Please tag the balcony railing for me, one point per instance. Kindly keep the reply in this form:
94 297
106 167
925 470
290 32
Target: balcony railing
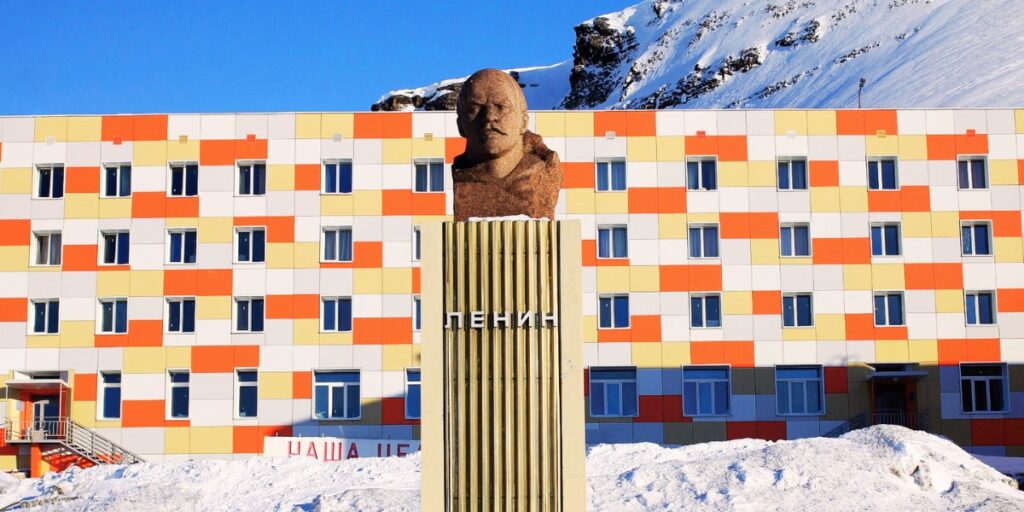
914 420
79 439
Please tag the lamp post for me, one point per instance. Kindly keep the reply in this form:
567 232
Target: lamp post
859 89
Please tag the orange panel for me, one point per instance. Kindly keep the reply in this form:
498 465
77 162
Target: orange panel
702 146
1004 223
1010 300
245 149
590 259
179 206
214 282
610 121
613 335
916 198
674 278
79 257
955 351
367 126
641 123
941 147
643 200
13 309
983 350
453 147
734 225
307 177
110 340
149 205
1020 171
705 278
397 201
302 385
732 148
749 225
115 128
645 328
306 306
849 122
142 413
145 333
151 127
181 282
280 229
367 254
578 175
860 326
739 354
891 333
396 125
367 331
875 120
15 232
824 173
247 356
416 280
428 204
767 302
396 330
827 251
764 225
884 201
907 199
217 152
279 307
213 358
972 144
82 180
856 251
672 199
933 276
85 387
246 439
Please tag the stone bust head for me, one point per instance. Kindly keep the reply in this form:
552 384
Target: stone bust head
506 169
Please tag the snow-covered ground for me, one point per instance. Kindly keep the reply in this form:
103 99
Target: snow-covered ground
880 468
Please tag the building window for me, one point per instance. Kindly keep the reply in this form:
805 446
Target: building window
181 246
704 241
416 309
975 238
249 314
612 242
337 314
701 174
888 309
983 387
885 239
109 395
337 176
798 390
181 315
50 181
412 393
795 240
971 173
178 404
792 174
115 248
613 311
336 394
797 310
706 311
252 178
979 308
429 176
46 316
113 316
882 174
613 392
611 175
117 180
705 390
184 179
252 245
337 244
246 393
415 243
48 248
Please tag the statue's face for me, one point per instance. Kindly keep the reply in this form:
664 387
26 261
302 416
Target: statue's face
492 117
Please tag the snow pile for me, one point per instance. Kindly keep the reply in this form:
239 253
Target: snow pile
880 468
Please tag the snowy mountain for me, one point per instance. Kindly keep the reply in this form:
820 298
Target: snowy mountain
776 53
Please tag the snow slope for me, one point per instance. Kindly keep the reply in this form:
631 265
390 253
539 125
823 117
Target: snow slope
879 468
783 53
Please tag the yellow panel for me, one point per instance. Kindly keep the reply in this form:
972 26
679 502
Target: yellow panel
946 224
579 124
396 357
81 206
580 200
672 226
16 181
84 413
422 148
675 354
336 204
821 122
9 463
830 326
764 251
42 341
307 126
801 260
332 124
396 151
280 255
85 129
115 208
281 177
179 357
949 301
798 334
671 148
824 199
367 280
646 355
184 222
923 351
737 303
1018 116
77 333
307 254
150 152
14 258
305 331
761 173
917 225
550 124
732 174
1003 172
589 324
56 127
881 146
176 440
336 338
643 279
1008 249
365 202
641 149
892 351
701 217
114 283
416 355
216 230
178 151
144 360
853 199
612 279
396 280
611 202
913 147
213 308
790 120
275 385
857 277
887 276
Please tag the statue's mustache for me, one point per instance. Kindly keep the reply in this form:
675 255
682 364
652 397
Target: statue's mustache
492 129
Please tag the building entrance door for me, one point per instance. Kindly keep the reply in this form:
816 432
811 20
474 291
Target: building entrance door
45 413
891 404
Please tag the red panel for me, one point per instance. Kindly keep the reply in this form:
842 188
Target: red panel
988 432
393 412
651 409
836 380
741 430
771 430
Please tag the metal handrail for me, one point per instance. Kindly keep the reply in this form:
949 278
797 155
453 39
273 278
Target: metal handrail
83 440
917 420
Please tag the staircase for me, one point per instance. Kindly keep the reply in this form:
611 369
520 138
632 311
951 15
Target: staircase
77 439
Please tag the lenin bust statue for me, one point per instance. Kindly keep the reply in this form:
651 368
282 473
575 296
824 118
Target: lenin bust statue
506 169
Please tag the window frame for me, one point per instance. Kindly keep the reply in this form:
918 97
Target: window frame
590 391
181 312
337 162
101 395
429 180
119 170
417 313
238 241
36 251
171 385
611 228
239 384
183 232
977 314
878 159
183 164
974 253
899 238
234 314
323 244
252 177
969 157
46 316
100 301
788 160
37 178
728 382
1004 375
887 295
330 394
613 296
796 312
703 250
323 317
102 249
821 389
609 161
700 160
417 235
419 384
704 310
792 239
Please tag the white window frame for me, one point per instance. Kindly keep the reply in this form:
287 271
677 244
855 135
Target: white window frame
977 313
117 241
792 239
612 296
352 318
698 382
36 249
170 395
878 160
970 177
181 311
427 162
238 393
703 250
101 400
113 322
417 312
590 393
237 242
252 177
183 164
182 231
418 384
609 161
234 314
416 242
117 177
974 243
323 175
46 316
323 244
611 241
1004 376
899 238
796 312
701 159
788 160
37 178
821 389
704 308
330 394
903 308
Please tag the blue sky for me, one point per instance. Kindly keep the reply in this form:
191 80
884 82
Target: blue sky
185 56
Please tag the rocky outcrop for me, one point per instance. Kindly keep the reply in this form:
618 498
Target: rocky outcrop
599 51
